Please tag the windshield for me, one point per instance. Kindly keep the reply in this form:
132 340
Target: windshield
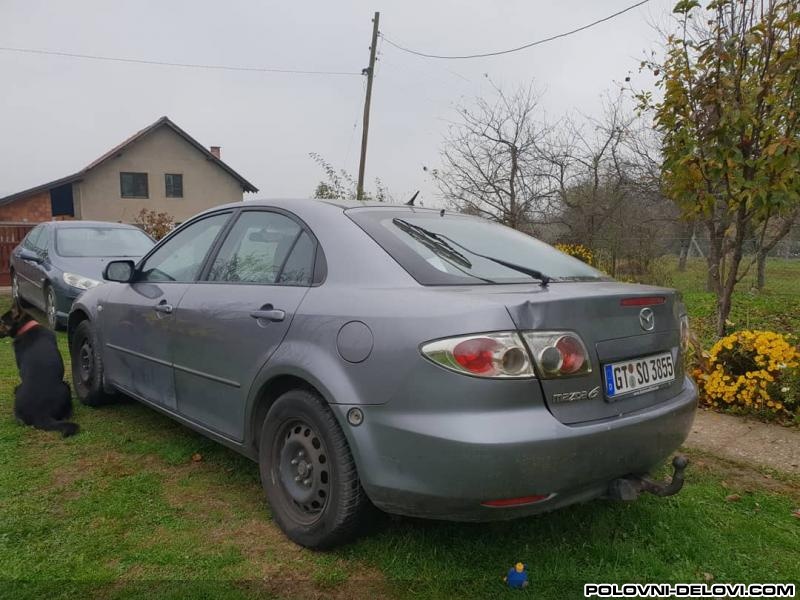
102 241
465 249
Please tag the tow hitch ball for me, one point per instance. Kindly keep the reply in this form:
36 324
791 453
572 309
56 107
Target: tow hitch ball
629 488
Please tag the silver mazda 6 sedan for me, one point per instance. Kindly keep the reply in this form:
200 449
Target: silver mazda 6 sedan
425 362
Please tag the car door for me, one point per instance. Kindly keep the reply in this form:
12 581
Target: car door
43 270
229 324
27 271
138 318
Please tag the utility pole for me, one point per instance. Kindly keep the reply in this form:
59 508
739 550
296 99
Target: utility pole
369 72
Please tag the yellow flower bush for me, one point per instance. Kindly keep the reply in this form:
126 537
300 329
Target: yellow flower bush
752 371
578 251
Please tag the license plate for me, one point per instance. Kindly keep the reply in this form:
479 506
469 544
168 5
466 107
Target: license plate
638 374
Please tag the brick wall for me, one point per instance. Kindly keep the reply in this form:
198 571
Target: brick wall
33 209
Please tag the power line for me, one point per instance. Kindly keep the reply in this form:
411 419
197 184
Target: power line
518 48
161 63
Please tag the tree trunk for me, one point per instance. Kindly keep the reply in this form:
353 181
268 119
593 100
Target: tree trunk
761 267
731 273
683 255
686 246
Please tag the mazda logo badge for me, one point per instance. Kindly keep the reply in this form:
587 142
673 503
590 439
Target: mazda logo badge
647 319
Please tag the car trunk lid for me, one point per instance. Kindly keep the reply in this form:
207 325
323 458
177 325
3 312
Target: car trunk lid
610 329
609 318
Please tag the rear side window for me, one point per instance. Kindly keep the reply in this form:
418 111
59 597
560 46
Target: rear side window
265 248
299 267
444 249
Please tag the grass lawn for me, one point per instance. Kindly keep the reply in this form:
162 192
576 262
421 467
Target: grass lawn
776 308
123 511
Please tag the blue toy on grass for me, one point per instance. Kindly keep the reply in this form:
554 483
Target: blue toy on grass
517 577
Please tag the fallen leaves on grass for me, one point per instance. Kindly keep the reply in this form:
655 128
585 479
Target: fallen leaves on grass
732 498
197 457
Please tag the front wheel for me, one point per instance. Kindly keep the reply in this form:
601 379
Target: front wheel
51 309
14 288
87 367
308 473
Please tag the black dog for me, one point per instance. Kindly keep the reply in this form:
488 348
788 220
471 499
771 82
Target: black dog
43 399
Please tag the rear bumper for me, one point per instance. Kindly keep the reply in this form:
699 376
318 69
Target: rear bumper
444 465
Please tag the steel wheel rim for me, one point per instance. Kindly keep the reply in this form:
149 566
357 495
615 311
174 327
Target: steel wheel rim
14 288
304 471
51 308
86 362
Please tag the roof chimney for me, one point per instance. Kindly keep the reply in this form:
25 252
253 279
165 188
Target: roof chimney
215 150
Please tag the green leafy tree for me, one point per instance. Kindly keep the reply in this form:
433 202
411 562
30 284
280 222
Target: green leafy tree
340 185
729 118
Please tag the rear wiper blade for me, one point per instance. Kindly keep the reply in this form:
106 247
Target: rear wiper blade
536 274
433 242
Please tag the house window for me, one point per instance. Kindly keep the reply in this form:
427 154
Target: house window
174 184
133 185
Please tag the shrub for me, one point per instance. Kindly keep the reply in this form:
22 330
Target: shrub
578 251
155 224
752 371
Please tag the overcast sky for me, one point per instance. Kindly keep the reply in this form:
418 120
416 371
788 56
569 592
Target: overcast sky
58 114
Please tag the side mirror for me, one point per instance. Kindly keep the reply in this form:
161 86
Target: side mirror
120 271
29 255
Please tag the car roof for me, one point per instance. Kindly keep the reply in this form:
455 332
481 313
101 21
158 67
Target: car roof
77 224
321 205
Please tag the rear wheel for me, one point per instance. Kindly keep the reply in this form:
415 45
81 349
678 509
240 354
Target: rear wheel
87 367
51 309
308 473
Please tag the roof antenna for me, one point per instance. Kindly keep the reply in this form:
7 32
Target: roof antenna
414 197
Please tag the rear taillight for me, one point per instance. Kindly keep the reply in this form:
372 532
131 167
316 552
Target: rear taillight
504 355
558 353
501 355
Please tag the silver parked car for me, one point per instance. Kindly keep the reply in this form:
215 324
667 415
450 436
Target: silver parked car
58 260
428 363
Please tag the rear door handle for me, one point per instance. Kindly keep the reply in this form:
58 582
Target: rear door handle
164 308
267 313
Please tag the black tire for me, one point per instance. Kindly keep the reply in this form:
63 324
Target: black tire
51 308
300 437
87 367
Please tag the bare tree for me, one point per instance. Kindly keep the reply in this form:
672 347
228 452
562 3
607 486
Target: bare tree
492 160
607 172
772 230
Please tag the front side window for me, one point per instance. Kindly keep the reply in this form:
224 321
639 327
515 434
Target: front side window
440 249
174 185
43 241
266 248
33 236
181 256
133 185
102 241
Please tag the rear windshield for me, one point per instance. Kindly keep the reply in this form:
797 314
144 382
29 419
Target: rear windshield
450 256
102 241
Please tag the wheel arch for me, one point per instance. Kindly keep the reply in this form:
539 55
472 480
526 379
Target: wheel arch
76 317
306 365
268 392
